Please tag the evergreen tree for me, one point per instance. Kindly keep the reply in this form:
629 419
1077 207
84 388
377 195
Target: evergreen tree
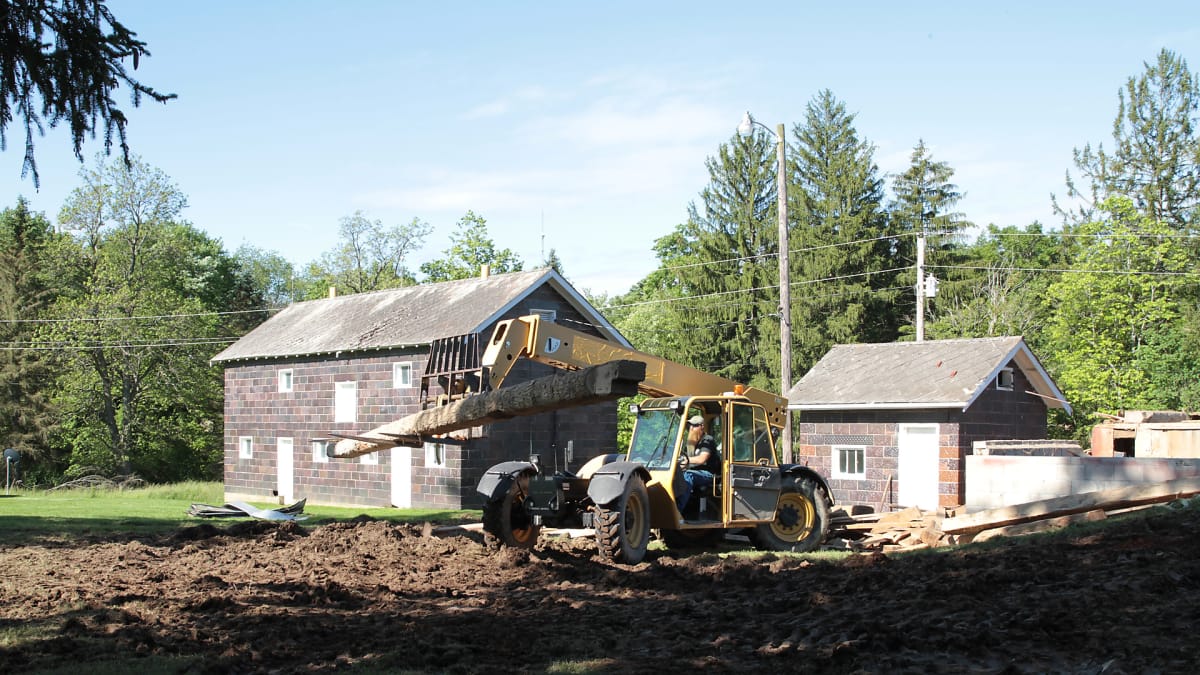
724 260
925 199
843 267
26 415
470 249
61 60
1155 159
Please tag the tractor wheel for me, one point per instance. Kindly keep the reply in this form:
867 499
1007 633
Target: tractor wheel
801 519
505 522
623 527
682 540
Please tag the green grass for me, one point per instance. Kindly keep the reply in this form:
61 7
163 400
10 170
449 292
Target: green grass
34 516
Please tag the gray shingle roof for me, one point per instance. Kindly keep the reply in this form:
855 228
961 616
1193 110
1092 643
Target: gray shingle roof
930 374
401 317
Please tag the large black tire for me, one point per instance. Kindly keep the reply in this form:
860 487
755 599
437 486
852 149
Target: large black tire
505 522
623 527
801 519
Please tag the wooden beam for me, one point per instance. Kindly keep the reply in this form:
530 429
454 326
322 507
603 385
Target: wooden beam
1150 493
596 384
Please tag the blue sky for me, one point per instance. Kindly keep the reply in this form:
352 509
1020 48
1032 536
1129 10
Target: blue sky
584 127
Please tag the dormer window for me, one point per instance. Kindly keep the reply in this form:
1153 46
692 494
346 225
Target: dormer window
1004 380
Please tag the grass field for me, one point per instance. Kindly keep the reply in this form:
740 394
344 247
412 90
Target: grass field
37 516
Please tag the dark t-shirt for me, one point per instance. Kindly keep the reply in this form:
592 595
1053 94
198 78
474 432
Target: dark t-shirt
713 465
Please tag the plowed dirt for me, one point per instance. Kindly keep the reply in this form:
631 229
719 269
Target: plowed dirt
265 597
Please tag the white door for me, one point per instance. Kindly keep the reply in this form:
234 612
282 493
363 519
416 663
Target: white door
283 468
918 465
402 477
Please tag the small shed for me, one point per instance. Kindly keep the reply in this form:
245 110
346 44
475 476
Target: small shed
891 424
348 364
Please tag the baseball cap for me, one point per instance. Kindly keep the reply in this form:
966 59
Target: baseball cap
696 421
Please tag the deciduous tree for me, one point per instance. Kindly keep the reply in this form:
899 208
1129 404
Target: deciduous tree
470 249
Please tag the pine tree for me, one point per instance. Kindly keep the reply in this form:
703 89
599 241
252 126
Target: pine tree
925 199
1155 159
26 415
724 262
61 60
843 266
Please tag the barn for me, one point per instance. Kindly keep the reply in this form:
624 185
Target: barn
347 364
891 424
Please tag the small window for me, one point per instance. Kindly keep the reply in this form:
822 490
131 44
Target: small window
1004 380
321 450
435 455
849 461
370 459
345 402
547 315
245 447
401 375
285 380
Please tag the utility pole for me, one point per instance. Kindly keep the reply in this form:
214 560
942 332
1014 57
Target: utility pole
785 297
921 284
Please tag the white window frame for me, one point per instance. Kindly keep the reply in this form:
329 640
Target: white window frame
402 372
345 401
286 381
320 451
245 447
369 459
836 463
435 455
1004 379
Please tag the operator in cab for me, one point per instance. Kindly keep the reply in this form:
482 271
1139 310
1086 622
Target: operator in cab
704 460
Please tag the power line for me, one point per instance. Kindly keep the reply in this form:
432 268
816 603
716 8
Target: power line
119 345
1062 271
146 317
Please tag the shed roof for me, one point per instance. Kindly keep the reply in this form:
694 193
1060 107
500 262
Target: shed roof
402 317
916 375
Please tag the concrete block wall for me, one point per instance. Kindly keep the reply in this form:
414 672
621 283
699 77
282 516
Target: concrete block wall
995 480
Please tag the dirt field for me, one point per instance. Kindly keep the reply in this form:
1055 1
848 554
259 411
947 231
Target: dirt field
261 597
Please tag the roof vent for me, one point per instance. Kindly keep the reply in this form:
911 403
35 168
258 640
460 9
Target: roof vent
485 271
333 291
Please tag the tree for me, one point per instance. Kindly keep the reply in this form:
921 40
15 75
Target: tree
61 60
842 262
1155 159
141 310
925 199
553 261
724 262
272 275
1003 285
369 256
470 249
1130 276
26 415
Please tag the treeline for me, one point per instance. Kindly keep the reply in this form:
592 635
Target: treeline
108 320
1108 299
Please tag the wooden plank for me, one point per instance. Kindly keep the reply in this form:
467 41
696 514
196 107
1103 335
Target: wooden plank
1041 525
1150 493
605 382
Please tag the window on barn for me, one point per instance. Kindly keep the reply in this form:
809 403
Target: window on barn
849 461
321 451
345 402
401 375
285 380
245 447
1004 380
435 455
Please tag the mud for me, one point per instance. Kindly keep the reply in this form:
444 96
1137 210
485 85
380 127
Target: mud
266 597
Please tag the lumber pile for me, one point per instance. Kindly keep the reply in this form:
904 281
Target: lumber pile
605 382
913 529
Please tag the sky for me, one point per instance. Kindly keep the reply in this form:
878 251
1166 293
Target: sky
584 127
